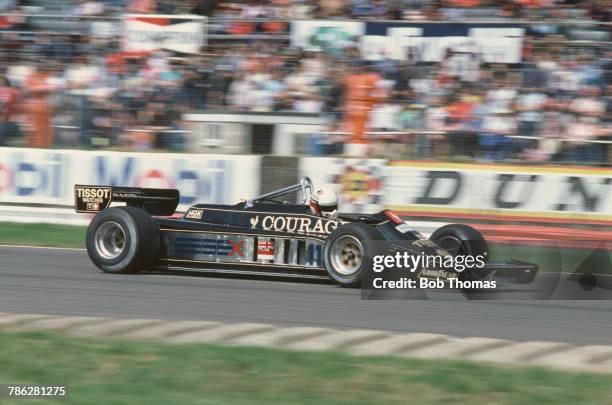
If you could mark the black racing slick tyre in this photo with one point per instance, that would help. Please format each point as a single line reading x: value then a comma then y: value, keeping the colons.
x: 463, y: 240
x: 459, y: 239
x: 348, y: 253
x: 122, y: 240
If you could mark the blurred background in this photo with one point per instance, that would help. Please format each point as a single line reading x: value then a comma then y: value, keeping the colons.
x: 490, y: 113
x: 513, y: 80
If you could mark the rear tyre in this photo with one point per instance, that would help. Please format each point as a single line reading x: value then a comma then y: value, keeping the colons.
x: 122, y: 240
x: 348, y: 253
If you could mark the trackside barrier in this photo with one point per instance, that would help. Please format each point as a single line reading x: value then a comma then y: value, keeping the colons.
x: 36, y: 185
x: 514, y: 205
x: 39, y: 177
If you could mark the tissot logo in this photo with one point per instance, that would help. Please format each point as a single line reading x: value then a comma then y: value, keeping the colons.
x: 93, y: 192
x: 298, y: 224
x: 91, y: 199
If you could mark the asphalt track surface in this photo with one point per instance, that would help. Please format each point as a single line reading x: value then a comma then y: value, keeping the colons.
x: 64, y: 282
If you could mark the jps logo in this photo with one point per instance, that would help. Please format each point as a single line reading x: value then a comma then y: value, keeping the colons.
x: 93, y: 192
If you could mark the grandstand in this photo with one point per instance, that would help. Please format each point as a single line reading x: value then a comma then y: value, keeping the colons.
x: 541, y: 93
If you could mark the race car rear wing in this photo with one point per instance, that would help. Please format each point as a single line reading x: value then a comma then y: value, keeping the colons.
x: 155, y: 201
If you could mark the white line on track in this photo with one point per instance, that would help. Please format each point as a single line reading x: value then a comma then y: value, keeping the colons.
x: 41, y: 247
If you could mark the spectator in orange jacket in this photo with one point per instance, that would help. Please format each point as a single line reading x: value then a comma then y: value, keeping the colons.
x: 361, y: 96
x: 38, y: 110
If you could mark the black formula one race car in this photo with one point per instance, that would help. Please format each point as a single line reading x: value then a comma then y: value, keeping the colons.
x: 265, y: 236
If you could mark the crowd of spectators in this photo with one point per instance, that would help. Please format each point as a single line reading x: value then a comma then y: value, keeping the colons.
x: 80, y: 90
x: 554, y: 101
x: 416, y: 10
x: 330, y: 9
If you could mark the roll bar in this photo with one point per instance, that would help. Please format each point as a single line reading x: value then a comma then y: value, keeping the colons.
x: 304, y: 184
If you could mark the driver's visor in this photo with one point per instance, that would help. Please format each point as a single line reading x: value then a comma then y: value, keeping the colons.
x: 329, y: 208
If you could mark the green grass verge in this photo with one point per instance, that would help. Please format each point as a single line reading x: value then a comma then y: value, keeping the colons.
x: 128, y: 372
x: 13, y: 233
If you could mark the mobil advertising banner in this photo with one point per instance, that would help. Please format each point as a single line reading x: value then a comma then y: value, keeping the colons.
x: 521, y: 192
x: 149, y: 32
x: 35, y: 176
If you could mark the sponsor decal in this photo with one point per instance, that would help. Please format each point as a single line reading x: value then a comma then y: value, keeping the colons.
x: 127, y: 195
x: 314, y: 253
x: 254, y: 222
x: 95, y: 192
x: 437, y: 273
x: 424, y: 243
x: 265, y: 249
x: 298, y: 224
x: 403, y: 228
x: 91, y: 199
x: 236, y: 248
x: 194, y: 214
x: 193, y: 245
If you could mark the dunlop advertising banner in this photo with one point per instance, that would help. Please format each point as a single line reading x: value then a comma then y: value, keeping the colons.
x: 538, y: 192
x: 447, y: 190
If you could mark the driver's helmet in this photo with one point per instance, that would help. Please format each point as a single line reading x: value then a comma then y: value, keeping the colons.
x: 324, y: 202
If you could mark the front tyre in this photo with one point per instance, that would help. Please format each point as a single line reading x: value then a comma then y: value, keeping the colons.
x: 348, y: 253
x: 122, y: 240
x: 463, y: 240
x: 459, y: 239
